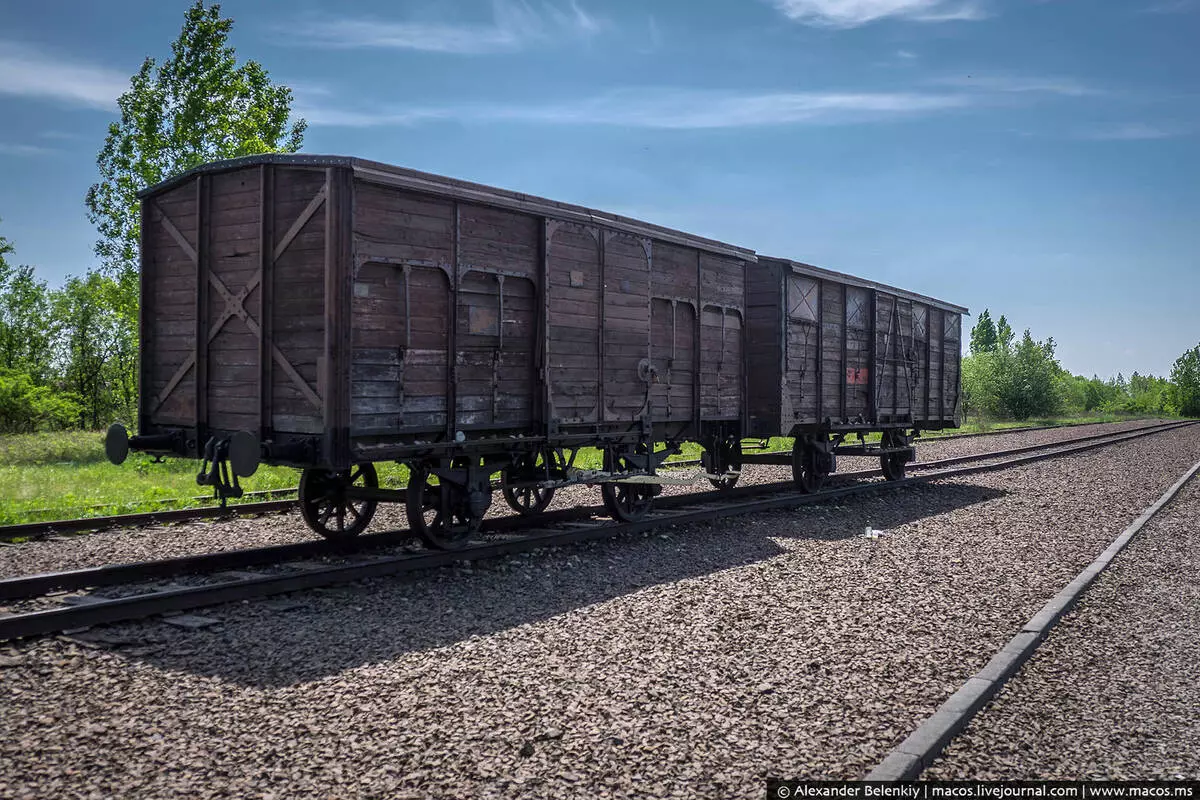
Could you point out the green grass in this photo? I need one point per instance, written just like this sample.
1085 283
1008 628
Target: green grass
66 475
49 476
985 425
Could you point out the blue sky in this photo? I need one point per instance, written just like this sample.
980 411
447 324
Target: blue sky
1037 157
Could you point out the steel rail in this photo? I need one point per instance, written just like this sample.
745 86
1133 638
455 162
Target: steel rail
953 437
102 611
36 585
144 519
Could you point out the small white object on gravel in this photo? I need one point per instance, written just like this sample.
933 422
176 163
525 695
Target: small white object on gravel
689 663
145 544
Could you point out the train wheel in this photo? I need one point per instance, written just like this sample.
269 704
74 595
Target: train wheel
325 507
806 472
442 526
892 465
627 502
525 500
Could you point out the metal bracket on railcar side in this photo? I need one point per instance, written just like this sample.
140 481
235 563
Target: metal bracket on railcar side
225 460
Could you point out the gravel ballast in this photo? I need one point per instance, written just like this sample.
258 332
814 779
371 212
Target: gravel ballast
688 663
145 544
1113 692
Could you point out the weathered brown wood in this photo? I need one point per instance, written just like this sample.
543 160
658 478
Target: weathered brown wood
313 205
146 312
331 386
203 271
174 232
266 235
423 309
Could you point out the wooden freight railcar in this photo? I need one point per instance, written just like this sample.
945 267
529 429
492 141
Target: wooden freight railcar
328 313
832 356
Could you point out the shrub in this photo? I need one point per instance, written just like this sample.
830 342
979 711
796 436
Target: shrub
26 407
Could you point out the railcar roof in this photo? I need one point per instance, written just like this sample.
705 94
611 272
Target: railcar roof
429 183
852 280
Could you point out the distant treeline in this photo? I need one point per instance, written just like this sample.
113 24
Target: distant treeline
68 356
1008 379
68 359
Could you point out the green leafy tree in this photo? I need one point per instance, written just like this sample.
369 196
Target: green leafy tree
96 350
1185 376
1004 334
27 329
1072 392
982 376
26 407
1029 389
983 335
197 106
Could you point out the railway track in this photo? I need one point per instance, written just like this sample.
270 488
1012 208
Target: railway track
920 749
41 530
290 568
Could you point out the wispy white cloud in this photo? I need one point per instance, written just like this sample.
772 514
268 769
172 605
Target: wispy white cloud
515 25
1133 131
23 150
907 55
1021 85
28 71
330 117
669 109
853 13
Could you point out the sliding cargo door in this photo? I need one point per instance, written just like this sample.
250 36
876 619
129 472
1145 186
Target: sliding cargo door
498 264
400 346
674 281
401 311
722 298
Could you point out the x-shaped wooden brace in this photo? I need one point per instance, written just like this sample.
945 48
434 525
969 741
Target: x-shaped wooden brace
856 313
235 304
804 300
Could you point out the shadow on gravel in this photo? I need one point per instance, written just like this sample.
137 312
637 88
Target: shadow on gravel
308 636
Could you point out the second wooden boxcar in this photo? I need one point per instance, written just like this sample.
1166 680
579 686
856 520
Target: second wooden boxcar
329 313
832 356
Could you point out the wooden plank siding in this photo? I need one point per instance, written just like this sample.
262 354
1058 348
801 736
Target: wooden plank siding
232 227
298 291
169 326
341 301
722 320
823 349
764 355
573 322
